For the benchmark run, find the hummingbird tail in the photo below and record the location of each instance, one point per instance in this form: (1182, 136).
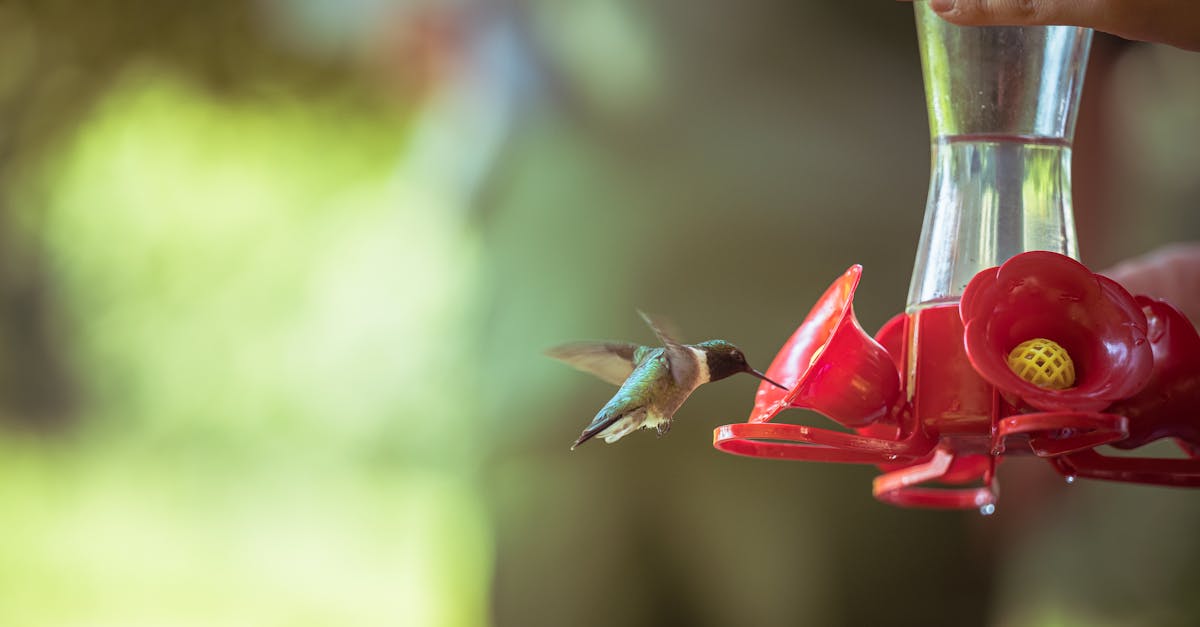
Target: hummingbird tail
(612, 427)
(584, 438)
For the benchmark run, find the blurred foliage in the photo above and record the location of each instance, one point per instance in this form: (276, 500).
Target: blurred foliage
(228, 276)
(96, 536)
(56, 59)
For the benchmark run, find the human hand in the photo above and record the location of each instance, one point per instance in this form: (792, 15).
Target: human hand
(1171, 273)
(1174, 22)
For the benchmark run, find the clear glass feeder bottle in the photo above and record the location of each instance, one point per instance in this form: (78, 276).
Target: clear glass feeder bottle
(1002, 105)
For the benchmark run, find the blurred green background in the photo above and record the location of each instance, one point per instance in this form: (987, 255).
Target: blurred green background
(275, 277)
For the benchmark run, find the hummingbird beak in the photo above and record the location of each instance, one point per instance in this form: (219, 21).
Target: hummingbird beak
(764, 378)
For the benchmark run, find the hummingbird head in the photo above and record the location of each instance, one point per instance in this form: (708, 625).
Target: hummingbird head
(725, 359)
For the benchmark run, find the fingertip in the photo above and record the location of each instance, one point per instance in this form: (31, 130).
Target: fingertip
(1002, 12)
(960, 12)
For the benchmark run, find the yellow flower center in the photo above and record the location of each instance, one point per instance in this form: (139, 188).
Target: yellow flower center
(1043, 363)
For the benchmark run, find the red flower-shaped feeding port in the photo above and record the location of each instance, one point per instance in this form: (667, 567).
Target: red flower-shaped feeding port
(1167, 407)
(832, 366)
(1130, 374)
(1046, 295)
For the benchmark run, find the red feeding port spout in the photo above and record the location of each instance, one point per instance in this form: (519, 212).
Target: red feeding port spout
(831, 365)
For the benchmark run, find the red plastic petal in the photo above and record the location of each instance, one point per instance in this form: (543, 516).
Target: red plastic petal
(1044, 294)
(793, 360)
(832, 365)
(1169, 406)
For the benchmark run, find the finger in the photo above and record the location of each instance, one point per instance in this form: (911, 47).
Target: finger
(1021, 12)
(1171, 273)
(1174, 22)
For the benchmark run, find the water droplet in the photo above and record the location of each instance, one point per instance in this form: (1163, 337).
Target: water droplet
(987, 510)
(1070, 479)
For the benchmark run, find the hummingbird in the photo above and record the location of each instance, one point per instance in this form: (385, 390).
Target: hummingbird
(654, 380)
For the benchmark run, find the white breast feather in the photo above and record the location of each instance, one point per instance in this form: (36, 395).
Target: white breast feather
(702, 365)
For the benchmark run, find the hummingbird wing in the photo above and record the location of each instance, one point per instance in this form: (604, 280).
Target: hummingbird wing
(611, 361)
(679, 358)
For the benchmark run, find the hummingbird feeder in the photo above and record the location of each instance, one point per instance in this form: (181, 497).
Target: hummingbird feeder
(1008, 345)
